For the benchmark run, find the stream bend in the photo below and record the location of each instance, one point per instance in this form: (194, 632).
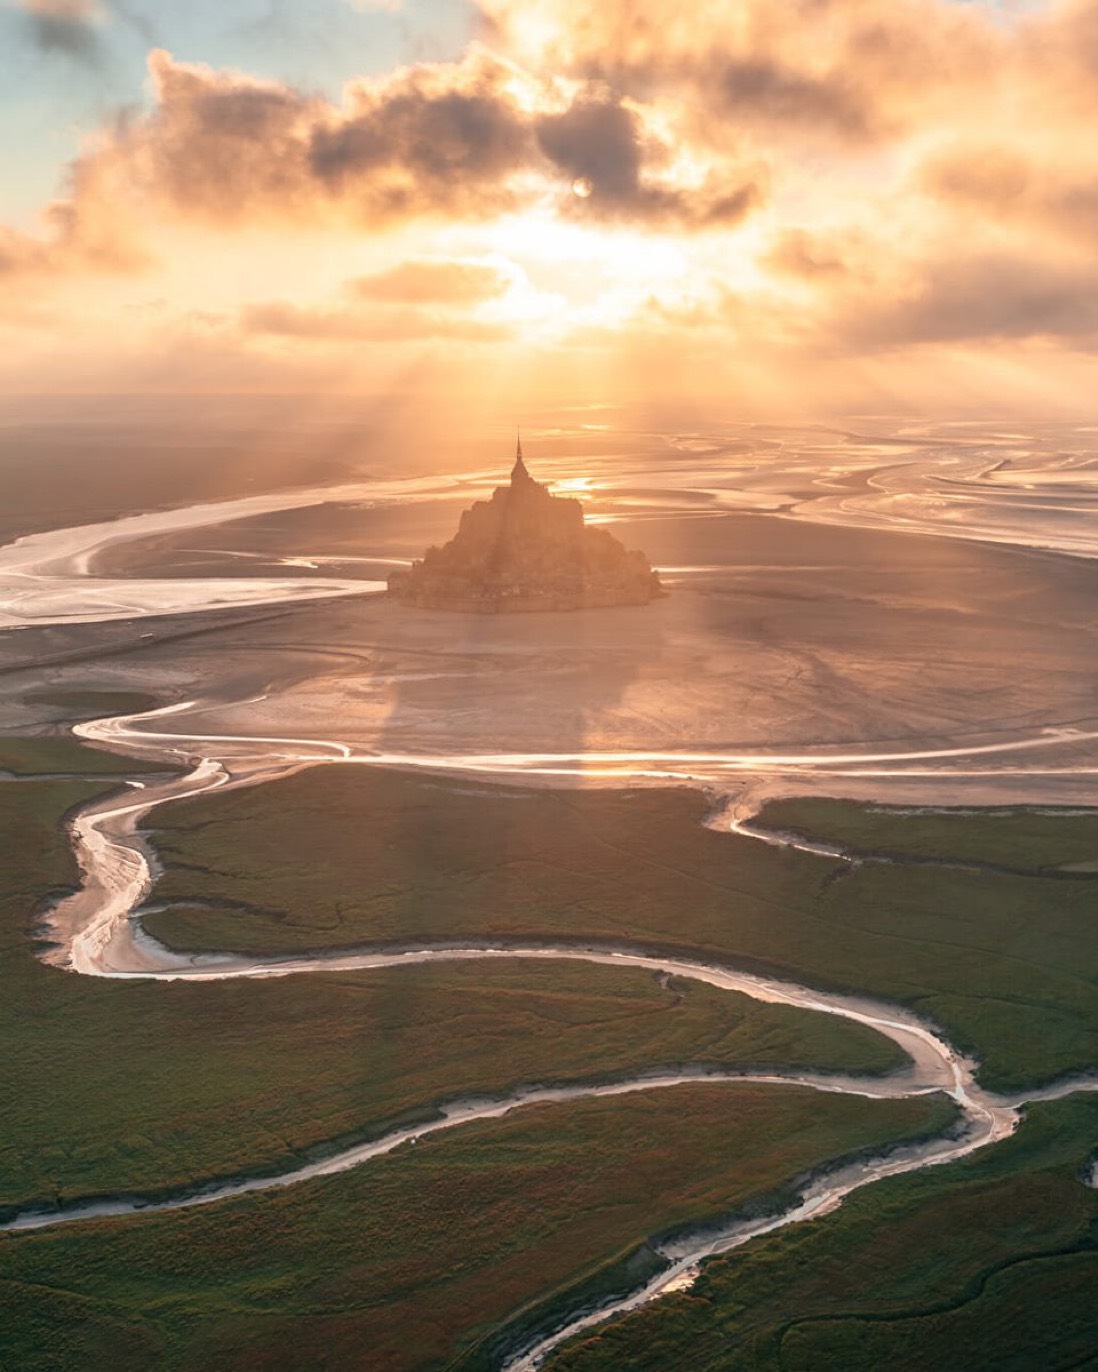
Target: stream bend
(94, 932)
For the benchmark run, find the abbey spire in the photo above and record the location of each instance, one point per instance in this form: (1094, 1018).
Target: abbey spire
(519, 475)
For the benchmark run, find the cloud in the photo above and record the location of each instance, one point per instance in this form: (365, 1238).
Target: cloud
(760, 89)
(603, 149)
(991, 297)
(798, 253)
(69, 27)
(848, 70)
(218, 146)
(21, 254)
(437, 280)
(468, 140)
(285, 319)
(596, 141)
(418, 299)
(1004, 183)
(447, 137)
(909, 175)
(81, 234)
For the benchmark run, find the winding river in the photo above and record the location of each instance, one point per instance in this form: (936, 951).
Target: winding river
(47, 579)
(94, 934)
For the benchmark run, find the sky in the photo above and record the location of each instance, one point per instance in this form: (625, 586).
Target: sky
(757, 209)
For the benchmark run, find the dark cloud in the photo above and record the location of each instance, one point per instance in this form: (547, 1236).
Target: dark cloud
(429, 140)
(596, 141)
(443, 139)
(64, 26)
(762, 89)
(217, 145)
(729, 208)
(600, 146)
(454, 141)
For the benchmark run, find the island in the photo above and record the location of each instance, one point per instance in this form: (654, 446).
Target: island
(526, 550)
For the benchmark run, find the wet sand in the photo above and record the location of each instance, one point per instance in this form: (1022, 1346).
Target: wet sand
(852, 644)
(803, 623)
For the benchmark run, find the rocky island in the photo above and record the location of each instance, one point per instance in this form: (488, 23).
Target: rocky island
(526, 550)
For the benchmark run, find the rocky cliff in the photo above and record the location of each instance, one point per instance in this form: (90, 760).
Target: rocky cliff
(526, 550)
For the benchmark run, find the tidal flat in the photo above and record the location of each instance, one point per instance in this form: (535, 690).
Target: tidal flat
(854, 748)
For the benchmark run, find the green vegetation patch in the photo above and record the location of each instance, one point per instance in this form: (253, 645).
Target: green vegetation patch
(151, 1087)
(421, 1260)
(406, 1262)
(90, 704)
(1016, 839)
(1036, 1314)
(33, 756)
(982, 1265)
(337, 856)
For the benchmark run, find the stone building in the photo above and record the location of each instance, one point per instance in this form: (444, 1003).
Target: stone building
(523, 550)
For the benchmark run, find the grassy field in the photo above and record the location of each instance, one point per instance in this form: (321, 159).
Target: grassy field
(149, 1087)
(403, 1264)
(422, 1260)
(1019, 840)
(25, 757)
(89, 704)
(1005, 960)
(981, 1266)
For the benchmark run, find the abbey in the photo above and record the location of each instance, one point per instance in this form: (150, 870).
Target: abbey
(526, 550)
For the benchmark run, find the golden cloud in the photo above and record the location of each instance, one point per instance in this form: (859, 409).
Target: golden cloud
(909, 175)
(437, 280)
(852, 70)
(285, 319)
(468, 140)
